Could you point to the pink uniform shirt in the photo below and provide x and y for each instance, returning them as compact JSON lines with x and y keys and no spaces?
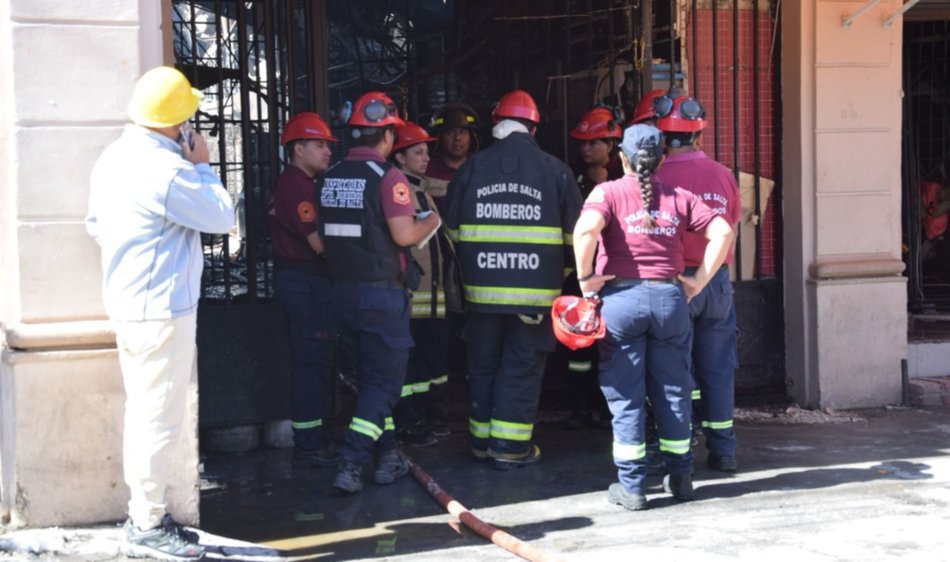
{"x":710,"y":181}
{"x":630,"y":249}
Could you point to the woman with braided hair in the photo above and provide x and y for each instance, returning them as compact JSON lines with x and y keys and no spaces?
{"x":639,"y":223}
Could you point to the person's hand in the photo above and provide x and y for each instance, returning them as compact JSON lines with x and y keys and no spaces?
{"x":198,"y":154}
{"x":594,"y":284}
{"x":691,"y":285}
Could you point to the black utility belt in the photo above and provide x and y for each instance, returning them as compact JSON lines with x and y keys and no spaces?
{"x":620,"y":282}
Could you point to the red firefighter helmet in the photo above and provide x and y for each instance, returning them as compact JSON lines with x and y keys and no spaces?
{"x":577,"y":321}
{"x":409,"y":134}
{"x":306,"y":125}
{"x":374,"y":109}
{"x":681,"y":114}
{"x":598,"y":123}
{"x":516,"y":103}
{"x":644,"y":109}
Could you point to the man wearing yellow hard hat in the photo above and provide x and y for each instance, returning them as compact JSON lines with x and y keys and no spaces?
{"x":152,"y":195}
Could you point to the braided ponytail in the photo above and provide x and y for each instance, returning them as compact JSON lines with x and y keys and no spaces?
{"x":642,"y":150}
{"x":645,"y":163}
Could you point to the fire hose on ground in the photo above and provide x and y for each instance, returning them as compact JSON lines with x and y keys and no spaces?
{"x":508,"y":542}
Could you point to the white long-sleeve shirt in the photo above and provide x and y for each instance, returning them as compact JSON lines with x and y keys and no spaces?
{"x":147,"y":209}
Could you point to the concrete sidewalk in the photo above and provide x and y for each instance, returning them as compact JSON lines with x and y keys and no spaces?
{"x":863,"y":485}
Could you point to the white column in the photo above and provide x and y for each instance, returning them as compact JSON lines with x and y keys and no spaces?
{"x":846,"y":319}
{"x":68,"y":70}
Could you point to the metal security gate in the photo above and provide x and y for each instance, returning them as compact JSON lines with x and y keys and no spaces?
{"x":255,"y":64}
{"x":926,"y":165}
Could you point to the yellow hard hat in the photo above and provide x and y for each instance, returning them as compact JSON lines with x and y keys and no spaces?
{"x":163,"y":97}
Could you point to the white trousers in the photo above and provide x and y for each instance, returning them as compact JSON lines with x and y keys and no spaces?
{"x":160,"y":441}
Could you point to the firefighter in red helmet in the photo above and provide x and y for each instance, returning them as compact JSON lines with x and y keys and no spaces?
{"x":598,"y":134}
{"x":368,"y":223}
{"x":303,"y":283}
{"x":512,"y":207}
{"x":437,"y":294}
{"x":712,"y":312}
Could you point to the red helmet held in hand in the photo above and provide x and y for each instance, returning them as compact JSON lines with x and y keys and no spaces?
{"x":598,"y":123}
{"x":409,"y":134}
{"x":516,"y":103}
{"x":577,"y":321}
{"x":374,"y":109}
{"x":306,"y":126}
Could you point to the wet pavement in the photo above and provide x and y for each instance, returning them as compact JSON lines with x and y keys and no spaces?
{"x":866,"y":485}
{"x":875,"y":487}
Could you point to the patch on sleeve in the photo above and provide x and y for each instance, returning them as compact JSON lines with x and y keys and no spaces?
{"x":306,"y":212}
{"x":596,"y":196}
{"x":401,"y":194}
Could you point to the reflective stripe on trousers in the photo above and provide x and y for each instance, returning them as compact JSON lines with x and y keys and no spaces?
{"x":713,"y":316}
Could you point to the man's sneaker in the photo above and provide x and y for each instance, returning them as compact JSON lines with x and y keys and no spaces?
{"x":349,"y":478}
{"x":310,"y":458}
{"x":390,"y":466}
{"x":726,"y":463}
{"x":166,"y":542}
{"x":173,"y":526}
{"x":509,"y":461}
{"x":679,"y":485}
{"x":618,"y":495}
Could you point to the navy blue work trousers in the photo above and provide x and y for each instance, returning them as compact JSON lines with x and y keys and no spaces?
{"x":304,"y":297}
{"x":428,"y":367}
{"x":506,"y":359}
{"x":646,"y":353}
{"x":373,"y":322}
{"x":713,"y":315}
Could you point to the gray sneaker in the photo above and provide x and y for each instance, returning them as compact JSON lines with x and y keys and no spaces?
{"x":168,"y":541}
{"x":349,"y":477}
{"x":390,"y":466}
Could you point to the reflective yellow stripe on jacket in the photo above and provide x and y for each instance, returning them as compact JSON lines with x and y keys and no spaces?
{"x":511,"y":295}
{"x":422,"y":304}
{"x":511,"y":234}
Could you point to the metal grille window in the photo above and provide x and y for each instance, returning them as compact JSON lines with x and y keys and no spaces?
{"x":258,"y":63}
{"x":254,"y":63}
{"x":926,"y":164}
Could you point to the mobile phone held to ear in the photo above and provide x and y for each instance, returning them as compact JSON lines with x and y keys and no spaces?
{"x":187,"y":135}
